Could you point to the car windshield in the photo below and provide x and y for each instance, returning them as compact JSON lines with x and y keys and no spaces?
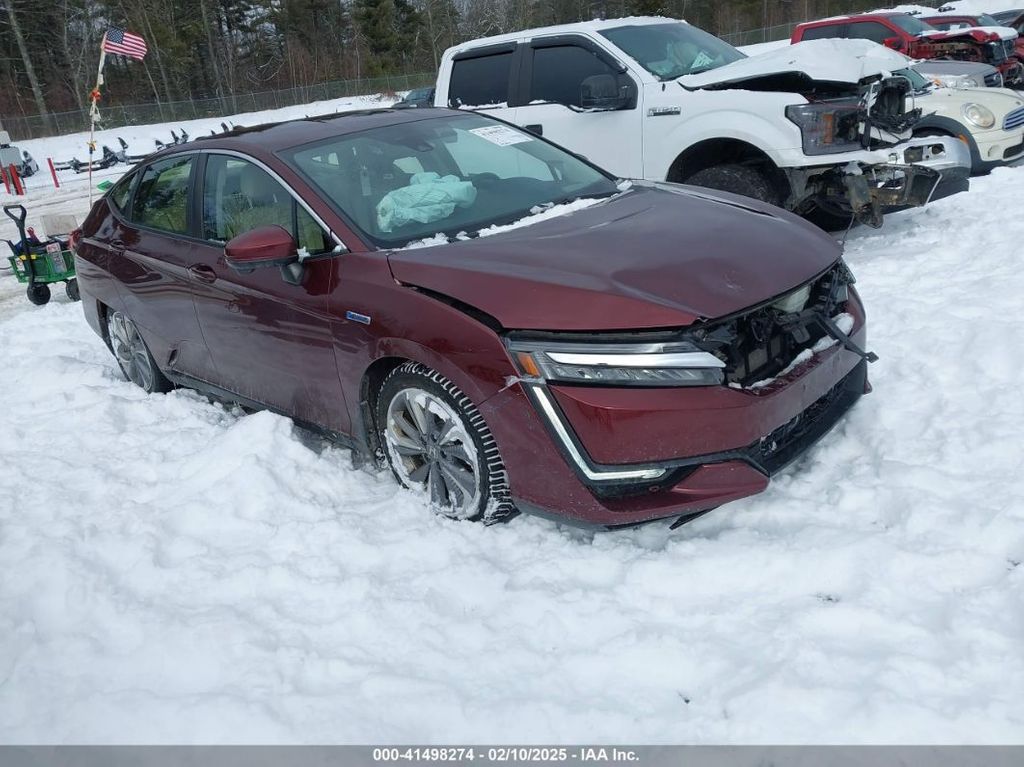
{"x":446,"y":175}
{"x":911,"y":24}
{"x":672,"y":50}
{"x":918,"y":82}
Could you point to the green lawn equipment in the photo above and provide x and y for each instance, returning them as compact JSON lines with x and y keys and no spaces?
{"x":38,"y":263}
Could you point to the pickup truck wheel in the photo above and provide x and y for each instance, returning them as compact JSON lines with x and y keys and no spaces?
{"x":738,"y":179}
{"x":436,"y":442}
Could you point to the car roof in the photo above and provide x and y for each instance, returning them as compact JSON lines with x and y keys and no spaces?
{"x":268,"y":138}
{"x":562,"y":29}
{"x":851,"y":16}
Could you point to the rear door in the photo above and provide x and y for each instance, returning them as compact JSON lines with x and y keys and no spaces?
{"x":148,"y":255}
{"x":271,"y":341}
{"x":823,"y":32}
{"x":482,"y":80}
{"x":562,"y":80}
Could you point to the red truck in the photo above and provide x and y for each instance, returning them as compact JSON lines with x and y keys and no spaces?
{"x":915,"y":38}
{"x":955,"y":22}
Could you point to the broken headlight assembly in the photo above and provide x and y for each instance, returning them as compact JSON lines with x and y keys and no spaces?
{"x":676,"y":363}
{"x":828,"y":127}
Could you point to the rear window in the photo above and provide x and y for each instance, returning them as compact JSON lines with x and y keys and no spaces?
{"x":823,"y":32}
{"x":481,"y":81}
{"x":121,"y":192}
{"x":161,"y":201}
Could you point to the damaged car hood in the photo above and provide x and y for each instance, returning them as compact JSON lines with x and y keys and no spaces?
{"x":657,"y":256}
{"x":831,"y":60}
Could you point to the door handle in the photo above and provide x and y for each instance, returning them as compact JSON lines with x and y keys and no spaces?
{"x":537,"y":129}
{"x":202,"y":273}
{"x":116,"y":247}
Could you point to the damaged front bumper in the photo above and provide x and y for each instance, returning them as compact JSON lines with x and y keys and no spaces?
{"x":907,"y":175}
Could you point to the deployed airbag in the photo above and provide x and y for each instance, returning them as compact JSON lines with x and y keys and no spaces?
{"x":428,"y":198}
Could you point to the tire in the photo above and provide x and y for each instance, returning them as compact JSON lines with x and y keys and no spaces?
{"x":738,"y":179}
{"x":71,"y":288}
{"x":39,"y":294}
{"x":830,"y":221}
{"x":436,"y":442}
{"x":132,"y":355}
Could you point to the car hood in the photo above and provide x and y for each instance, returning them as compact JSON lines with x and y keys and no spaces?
{"x":657,"y":256}
{"x":831,"y":60}
{"x":951,"y":100}
{"x":1003,"y":33}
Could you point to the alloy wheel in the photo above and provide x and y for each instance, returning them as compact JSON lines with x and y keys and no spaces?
{"x":130,"y":350}
{"x":431,"y":449}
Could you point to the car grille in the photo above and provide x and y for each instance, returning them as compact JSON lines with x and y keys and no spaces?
{"x":1014,"y":120}
{"x":1008,"y":47}
{"x":994,"y":80}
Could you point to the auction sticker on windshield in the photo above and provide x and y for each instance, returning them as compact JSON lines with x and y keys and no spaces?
{"x":501,"y":135}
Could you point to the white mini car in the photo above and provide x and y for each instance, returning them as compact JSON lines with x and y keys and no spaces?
{"x":990,"y":121}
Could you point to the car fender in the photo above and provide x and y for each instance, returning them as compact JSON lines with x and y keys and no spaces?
{"x":761,"y":123}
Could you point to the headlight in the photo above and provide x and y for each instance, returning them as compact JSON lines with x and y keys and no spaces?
{"x":658,"y":364}
{"x":979,"y":116}
{"x":827,"y":127}
{"x":969,"y":82}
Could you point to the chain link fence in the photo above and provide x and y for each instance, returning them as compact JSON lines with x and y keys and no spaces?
{"x":762,"y":35}
{"x":121,"y":115}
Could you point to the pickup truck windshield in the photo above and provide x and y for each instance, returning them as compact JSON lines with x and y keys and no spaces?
{"x":443,"y":175}
{"x":673,"y":49}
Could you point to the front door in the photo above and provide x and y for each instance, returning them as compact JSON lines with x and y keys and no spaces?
{"x":271,"y":341}
{"x":565,"y":83}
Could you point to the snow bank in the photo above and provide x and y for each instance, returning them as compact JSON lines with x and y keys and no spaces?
{"x":175,"y":571}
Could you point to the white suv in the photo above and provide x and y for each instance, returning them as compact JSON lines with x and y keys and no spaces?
{"x":818,"y":128}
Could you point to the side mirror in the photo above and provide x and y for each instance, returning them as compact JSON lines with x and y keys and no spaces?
{"x":602,"y":93}
{"x":263,"y":246}
{"x":895,"y":43}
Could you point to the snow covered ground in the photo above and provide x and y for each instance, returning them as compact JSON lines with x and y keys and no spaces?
{"x":176,"y":571}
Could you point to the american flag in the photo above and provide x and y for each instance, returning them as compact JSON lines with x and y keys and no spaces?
{"x":118,"y":41}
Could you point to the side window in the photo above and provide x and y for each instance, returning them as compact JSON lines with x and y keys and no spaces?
{"x":475,"y":154}
{"x":121,"y":192}
{"x":823,"y":32}
{"x":561,"y":74}
{"x":161,"y":200}
{"x":239,"y":196}
{"x":481,"y":81}
{"x":870,"y":30}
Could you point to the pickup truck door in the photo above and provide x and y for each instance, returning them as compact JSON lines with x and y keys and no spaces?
{"x":577,"y":95}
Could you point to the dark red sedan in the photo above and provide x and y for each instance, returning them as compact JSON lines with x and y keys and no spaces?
{"x":505,"y":325}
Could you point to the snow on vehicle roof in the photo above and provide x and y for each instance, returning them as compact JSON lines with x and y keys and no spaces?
{"x":982,"y":6}
{"x":831,"y":60}
{"x":560,"y":29}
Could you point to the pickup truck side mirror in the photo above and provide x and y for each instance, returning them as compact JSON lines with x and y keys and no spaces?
{"x":603,"y":93}
{"x":895,"y":43}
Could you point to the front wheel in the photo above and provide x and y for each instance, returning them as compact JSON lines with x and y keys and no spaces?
{"x":133,"y":355}
{"x":38,"y":294}
{"x":738,"y":179}
{"x":71,"y":288}
{"x":436,"y":442}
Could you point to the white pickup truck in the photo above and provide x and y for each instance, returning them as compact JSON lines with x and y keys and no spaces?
{"x":820,"y":128}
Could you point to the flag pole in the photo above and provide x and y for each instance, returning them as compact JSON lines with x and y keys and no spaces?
{"x":94,"y":112}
